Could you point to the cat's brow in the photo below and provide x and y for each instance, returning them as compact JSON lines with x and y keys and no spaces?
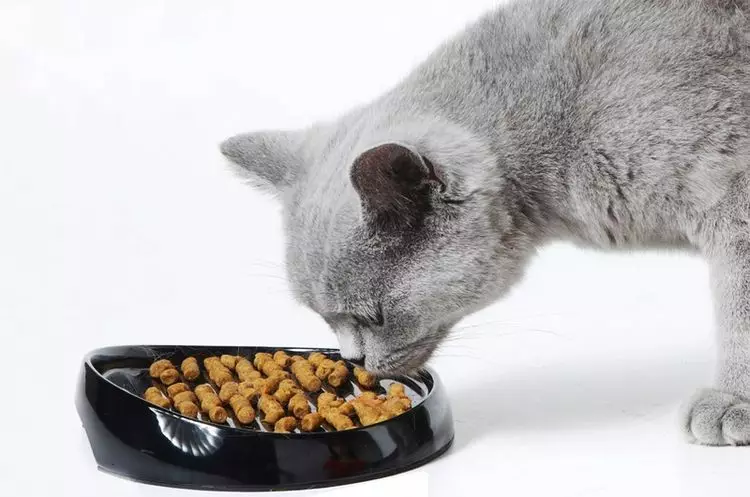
{"x":363,"y":310}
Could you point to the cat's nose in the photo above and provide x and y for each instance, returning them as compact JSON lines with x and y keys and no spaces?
{"x":350,"y":346}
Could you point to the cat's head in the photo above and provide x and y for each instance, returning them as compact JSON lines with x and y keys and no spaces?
{"x":392,"y":236}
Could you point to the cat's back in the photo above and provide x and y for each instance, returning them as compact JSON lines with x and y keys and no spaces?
{"x":532,"y":56}
{"x":623,"y":101}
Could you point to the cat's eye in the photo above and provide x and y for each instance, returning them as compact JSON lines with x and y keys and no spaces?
{"x":433,"y":175}
{"x":379,"y":319}
{"x":375,"y":320}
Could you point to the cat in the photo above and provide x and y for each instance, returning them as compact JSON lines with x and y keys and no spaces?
{"x":610,"y":123}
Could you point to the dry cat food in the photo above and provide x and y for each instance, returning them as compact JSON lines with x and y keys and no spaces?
{"x":190,"y":369}
{"x":275,"y":392}
{"x":165,"y":371}
{"x":210,"y":403}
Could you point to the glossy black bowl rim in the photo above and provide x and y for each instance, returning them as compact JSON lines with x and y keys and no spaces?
{"x":113,"y":446}
{"x":101,"y":350}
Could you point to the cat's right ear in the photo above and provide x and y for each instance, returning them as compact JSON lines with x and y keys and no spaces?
{"x":270,"y":160}
{"x":397,"y":186}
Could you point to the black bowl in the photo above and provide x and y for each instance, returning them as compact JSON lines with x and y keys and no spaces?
{"x":138,"y":440}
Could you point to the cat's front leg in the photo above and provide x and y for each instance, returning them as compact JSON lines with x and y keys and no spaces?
{"x":721,"y":415}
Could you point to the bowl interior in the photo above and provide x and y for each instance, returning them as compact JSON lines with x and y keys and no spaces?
{"x":127,"y":368}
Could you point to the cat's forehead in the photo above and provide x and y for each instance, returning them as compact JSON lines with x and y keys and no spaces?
{"x":342,"y":274}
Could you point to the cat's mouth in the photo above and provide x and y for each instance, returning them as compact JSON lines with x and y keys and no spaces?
{"x":403,"y":360}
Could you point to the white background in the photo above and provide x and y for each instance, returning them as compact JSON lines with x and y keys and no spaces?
{"x":120,"y":224}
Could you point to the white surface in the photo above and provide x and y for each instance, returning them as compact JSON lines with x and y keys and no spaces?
{"x":120,"y":225}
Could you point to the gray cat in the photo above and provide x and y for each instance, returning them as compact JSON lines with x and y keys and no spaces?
{"x":611,"y":123}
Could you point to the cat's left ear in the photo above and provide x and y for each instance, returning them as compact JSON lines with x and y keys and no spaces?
{"x":397,"y":186}
{"x":269,"y":159}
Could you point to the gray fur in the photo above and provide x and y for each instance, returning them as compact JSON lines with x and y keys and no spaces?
{"x":611,"y":123}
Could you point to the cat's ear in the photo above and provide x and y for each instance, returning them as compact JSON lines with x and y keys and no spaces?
{"x":397,"y":186}
{"x":270,"y":160}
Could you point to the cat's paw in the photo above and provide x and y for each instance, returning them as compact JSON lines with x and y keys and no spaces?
{"x":718,"y":418}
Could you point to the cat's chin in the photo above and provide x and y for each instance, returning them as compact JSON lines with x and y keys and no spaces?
{"x":400,"y":362}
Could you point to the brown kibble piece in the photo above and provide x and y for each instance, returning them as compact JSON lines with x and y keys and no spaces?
{"x":284,"y":395}
{"x":305,"y":375}
{"x":285,"y":425}
{"x":368,"y":396}
{"x":159,"y":366}
{"x":311,"y":422}
{"x":287,"y":389}
{"x":169,"y":376}
{"x":339,"y":374}
{"x":190,"y":369}
{"x":337,"y":420}
{"x":207,"y":397}
{"x":173,"y":390}
{"x":245,"y":370}
{"x":271,"y":367}
{"x":376,"y":402}
{"x":250,"y":392}
{"x":264,"y":362}
{"x":395,"y":406}
{"x":229,"y":361}
{"x":272,"y":410}
{"x":289,"y":384}
{"x":281,"y":358}
{"x":327,"y":400}
{"x":217,"y":414}
{"x":184,"y":397}
{"x":185,"y":402}
{"x":251,"y":375}
{"x":397,"y":401}
{"x":367,"y":414}
{"x":228,"y":390}
{"x":211,"y":361}
{"x":347,"y":409}
{"x":258,"y":383}
{"x":298,"y":406}
{"x":325,"y":368}
{"x":211,"y":403}
{"x":188,"y":409}
{"x":203,"y":389}
{"x":365,"y":378}
{"x":261,"y":358}
{"x":243,"y":411}
{"x":396,"y":390}
{"x":154,"y":396}
{"x":220,"y":377}
{"x":217,"y":371}
{"x":328,"y":403}
{"x":274,"y":380}
{"x":316,"y":358}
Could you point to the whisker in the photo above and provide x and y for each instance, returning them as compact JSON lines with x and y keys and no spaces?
{"x":272,"y":264}
{"x":456,"y":356}
{"x":503,"y":322}
{"x":521,"y":328}
{"x":263,"y":275}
